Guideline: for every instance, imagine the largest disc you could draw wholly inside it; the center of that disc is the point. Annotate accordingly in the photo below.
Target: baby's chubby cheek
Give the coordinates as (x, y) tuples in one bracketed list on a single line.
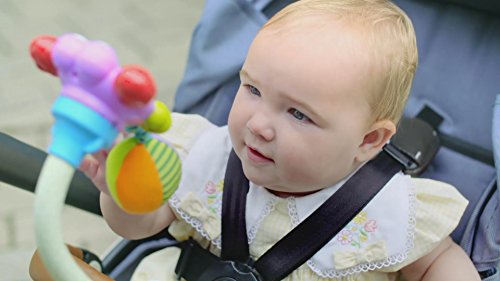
[(236, 135), (296, 171)]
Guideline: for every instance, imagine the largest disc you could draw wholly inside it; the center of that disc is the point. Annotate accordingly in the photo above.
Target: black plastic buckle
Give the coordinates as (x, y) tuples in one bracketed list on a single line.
[(414, 145), (198, 264), (407, 162)]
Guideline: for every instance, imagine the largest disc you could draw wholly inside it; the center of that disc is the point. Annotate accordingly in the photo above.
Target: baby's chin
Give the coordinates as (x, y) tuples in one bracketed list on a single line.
[(256, 180), (259, 181), (273, 185)]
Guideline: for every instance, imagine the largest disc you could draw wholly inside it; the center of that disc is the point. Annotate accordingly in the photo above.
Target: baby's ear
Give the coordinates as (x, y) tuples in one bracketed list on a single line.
[(375, 138)]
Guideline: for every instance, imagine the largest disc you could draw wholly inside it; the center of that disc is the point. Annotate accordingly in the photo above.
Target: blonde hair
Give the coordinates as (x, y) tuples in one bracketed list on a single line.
[(392, 40)]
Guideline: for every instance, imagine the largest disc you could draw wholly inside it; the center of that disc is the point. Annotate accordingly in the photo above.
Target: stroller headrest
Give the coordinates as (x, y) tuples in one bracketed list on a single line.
[(488, 6)]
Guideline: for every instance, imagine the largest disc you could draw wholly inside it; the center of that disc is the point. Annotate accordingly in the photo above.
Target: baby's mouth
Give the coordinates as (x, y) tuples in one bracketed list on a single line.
[(255, 156)]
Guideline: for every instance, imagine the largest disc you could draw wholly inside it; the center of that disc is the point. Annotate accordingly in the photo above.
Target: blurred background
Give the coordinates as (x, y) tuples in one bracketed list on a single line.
[(154, 34)]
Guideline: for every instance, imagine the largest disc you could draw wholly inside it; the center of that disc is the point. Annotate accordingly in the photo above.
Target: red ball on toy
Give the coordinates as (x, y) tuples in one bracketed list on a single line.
[(41, 51), (135, 86)]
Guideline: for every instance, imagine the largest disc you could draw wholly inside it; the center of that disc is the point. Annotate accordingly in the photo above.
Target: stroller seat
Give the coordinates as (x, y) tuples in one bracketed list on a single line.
[(455, 89)]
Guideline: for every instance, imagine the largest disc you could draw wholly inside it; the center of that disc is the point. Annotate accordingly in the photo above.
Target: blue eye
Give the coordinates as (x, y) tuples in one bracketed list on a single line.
[(298, 115), (254, 90)]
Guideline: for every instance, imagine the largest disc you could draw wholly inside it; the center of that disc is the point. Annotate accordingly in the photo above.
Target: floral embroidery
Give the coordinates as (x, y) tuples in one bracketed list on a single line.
[(358, 231), (360, 218), (345, 237), (214, 198), (371, 226)]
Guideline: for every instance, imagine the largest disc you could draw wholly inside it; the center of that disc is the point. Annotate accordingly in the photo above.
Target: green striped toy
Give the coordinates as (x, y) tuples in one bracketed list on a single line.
[(142, 174)]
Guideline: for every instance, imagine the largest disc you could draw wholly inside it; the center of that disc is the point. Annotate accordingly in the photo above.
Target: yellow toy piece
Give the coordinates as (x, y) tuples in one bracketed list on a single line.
[(159, 121), (142, 175)]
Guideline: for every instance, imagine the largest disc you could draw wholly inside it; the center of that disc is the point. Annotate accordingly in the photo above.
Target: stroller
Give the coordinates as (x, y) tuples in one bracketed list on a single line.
[(454, 92)]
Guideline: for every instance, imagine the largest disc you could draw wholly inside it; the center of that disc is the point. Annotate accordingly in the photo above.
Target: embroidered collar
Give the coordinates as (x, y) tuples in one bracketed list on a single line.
[(299, 207), (371, 240)]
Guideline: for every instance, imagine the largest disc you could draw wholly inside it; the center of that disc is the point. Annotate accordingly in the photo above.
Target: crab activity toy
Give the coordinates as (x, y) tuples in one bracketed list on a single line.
[(98, 100)]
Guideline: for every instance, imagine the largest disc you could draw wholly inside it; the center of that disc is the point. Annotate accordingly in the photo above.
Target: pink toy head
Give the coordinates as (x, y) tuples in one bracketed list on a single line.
[(90, 74)]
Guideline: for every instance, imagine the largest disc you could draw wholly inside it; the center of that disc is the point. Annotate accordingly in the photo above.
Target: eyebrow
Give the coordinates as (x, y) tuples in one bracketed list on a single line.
[(243, 72)]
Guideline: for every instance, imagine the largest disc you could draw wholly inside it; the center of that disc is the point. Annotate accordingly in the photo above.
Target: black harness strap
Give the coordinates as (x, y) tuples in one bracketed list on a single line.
[(314, 232), (234, 198)]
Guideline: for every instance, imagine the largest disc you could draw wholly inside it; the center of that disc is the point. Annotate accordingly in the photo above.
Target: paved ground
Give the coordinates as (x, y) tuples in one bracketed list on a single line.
[(154, 34)]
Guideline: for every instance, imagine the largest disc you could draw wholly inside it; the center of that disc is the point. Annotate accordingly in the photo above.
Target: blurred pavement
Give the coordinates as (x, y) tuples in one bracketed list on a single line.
[(154, 34)]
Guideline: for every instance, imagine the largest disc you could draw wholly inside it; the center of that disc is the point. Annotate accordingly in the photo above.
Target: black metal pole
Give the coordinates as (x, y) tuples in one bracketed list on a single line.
[(20, 165)]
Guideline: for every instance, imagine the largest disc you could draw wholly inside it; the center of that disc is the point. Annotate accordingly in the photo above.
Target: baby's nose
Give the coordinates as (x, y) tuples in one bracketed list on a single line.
[(261, 126)]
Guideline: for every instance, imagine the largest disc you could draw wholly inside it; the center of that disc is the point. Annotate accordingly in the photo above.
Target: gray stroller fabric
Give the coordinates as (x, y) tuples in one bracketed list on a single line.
[(459, 78), (218, 49), (459, 67)]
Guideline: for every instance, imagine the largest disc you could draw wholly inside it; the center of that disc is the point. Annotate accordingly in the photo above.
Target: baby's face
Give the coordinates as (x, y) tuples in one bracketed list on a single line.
[(302, 112)]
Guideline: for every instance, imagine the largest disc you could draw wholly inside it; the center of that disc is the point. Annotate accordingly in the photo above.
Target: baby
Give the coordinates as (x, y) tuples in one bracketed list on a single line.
[(322, 89)]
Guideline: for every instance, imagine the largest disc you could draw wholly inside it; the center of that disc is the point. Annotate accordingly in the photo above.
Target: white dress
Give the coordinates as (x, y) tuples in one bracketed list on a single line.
[(404, 222)]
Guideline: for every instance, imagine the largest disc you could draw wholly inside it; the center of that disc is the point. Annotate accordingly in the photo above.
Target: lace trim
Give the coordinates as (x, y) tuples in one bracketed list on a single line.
[(292, 211), (267, 210), (392, 260), (194, 222), (198, 225)]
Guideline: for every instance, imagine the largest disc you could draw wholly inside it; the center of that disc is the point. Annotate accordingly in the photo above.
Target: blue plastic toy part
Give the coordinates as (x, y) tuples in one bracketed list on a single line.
[(78, 130)]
